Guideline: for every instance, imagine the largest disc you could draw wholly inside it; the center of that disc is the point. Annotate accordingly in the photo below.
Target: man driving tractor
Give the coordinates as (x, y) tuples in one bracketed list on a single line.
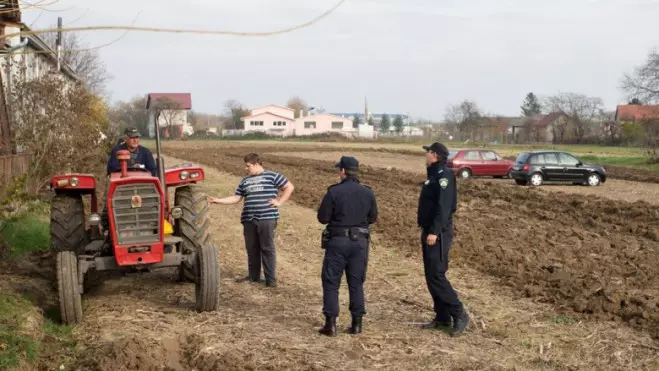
[(140, 157)]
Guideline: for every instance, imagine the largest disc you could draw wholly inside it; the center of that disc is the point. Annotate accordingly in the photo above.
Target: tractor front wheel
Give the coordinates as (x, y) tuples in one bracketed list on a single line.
[(207, 285), (67, 222), (192, 226), (70, 300)]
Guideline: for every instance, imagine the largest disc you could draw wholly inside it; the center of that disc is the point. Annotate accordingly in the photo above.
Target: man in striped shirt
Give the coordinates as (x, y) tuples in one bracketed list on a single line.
[(260, 189)]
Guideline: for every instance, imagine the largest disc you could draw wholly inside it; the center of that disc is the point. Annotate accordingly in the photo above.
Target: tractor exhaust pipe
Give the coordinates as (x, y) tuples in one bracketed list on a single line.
[(123, 156)]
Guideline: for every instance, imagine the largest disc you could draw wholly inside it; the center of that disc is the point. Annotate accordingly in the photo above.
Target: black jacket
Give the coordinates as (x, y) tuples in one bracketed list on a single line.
[(348, 204), (143, 156), (438, 199)]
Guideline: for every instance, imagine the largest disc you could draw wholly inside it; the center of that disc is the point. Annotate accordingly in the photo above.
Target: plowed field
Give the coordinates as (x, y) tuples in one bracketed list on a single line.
[(593, 257)]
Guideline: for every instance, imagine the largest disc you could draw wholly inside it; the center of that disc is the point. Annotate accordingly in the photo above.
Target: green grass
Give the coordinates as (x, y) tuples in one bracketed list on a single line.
[(15, 345), (26, 234), (627, 161)]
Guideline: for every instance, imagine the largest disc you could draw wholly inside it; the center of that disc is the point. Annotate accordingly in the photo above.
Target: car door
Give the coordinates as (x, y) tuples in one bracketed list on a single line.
[(473, 160), (571, 169), (552, 168), (489, 163)]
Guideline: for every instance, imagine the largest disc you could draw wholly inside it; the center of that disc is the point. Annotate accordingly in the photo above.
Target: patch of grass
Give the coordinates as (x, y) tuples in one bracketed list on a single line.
[(15, 345), (26, 234), (627, 161), (563, 320)]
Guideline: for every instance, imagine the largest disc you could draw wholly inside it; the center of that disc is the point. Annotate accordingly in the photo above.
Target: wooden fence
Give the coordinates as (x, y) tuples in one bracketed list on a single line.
[(13, 165)]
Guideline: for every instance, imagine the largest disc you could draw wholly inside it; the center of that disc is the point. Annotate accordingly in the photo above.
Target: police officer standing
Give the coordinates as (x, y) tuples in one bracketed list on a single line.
[(348, 208), (437, 203)]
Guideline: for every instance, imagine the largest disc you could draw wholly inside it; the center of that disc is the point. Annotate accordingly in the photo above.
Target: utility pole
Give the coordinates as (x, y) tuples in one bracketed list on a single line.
[(59, 43)]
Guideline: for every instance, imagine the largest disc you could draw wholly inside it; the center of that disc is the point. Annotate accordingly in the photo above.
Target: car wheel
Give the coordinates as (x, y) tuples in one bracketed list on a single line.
[(465, 173), (509, 174), (536, 179), (594, 180)]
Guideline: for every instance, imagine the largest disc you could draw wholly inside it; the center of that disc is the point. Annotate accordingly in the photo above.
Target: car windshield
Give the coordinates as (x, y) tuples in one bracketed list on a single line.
[(452, 154), (522, 158)]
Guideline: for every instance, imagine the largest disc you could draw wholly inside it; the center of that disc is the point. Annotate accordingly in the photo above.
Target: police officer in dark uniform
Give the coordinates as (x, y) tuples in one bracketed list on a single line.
[(437, 203), (348, 208)]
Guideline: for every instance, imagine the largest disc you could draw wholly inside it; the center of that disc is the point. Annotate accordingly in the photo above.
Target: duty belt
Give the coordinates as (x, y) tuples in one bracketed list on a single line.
[(345, 232)]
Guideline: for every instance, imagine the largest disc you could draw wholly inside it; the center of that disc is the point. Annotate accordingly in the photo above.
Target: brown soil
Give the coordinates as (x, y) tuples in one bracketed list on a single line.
[(633, 191), (593, 257)]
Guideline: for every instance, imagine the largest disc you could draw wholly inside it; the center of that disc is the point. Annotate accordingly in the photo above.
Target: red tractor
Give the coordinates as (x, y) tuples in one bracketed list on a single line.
[(146, 231)]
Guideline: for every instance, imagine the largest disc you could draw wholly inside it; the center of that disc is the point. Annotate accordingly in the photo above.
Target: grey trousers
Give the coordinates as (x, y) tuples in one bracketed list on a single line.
[(260, 245)]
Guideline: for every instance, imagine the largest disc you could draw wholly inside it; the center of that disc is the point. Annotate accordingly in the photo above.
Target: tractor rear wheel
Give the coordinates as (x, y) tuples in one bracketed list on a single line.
[(67, 222), (192, 226), (207, 285), (70, 300)]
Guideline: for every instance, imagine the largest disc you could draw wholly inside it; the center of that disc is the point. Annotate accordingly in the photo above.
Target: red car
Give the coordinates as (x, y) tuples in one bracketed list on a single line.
[(466, 163)]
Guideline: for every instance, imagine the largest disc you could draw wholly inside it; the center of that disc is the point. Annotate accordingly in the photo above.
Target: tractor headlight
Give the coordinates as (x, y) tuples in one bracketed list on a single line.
[(194, 174), (94, 219), (74, 182), (183, 175), (177, 212)]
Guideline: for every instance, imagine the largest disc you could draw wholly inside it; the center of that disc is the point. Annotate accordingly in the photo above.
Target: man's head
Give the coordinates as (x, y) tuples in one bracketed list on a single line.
[(435, 152), (132, 138), (348, 167), (253, 165)]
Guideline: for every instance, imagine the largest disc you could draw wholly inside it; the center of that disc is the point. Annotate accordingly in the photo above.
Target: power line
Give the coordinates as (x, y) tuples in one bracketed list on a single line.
[(182, 30)]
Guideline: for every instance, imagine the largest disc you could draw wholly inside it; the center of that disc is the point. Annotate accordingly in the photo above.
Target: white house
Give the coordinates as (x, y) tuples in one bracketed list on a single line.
[(278, 120), (171, 110)]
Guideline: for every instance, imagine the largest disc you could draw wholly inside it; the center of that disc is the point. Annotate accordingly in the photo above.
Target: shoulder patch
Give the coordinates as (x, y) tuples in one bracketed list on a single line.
[(443, 183)]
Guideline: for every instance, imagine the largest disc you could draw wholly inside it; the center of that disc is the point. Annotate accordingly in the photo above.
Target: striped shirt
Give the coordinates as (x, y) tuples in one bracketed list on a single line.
[(257, 191)]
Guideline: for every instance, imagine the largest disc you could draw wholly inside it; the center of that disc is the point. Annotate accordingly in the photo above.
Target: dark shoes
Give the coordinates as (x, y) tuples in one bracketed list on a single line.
[(330, 326), (356, 327), (271, 284), (435, 324), (461, 324)]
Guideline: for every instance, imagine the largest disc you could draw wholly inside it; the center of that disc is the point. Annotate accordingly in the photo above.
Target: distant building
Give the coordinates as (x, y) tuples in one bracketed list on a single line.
[(278, 120), (172, 110)]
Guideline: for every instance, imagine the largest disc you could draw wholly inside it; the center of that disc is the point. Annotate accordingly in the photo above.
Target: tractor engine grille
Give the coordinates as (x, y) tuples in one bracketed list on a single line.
[(136, 216)]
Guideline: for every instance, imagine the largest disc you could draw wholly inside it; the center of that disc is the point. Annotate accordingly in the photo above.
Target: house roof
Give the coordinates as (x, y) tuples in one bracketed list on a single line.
[(11, 11), (266, 113), (184, 100), (636, 112), (274, 105), (38, 43)]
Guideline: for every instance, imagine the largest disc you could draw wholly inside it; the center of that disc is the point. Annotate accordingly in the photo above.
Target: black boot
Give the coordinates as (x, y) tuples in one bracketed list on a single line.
[(356, 327), (461, 324), (436, 324), (330, 326)]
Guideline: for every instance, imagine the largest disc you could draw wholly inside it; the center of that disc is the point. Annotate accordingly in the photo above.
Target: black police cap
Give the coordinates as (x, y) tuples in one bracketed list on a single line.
[(347, 162), (438, 148)]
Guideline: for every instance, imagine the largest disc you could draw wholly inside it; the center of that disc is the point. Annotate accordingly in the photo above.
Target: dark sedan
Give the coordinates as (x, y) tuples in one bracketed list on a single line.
[(555, 166)]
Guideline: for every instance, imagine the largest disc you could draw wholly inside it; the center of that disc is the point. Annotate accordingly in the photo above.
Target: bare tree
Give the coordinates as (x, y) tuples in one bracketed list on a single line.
[(236, 111), (130, 113), (299, 105), (643, 84), (465, 117), (579, 111), (86, 62)]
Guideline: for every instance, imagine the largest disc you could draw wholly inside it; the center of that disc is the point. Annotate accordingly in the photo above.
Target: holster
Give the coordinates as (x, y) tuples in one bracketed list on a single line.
[(324, 239)]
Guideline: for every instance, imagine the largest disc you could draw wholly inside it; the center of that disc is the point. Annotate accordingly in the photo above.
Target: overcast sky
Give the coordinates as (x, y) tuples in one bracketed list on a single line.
[(406, 56)]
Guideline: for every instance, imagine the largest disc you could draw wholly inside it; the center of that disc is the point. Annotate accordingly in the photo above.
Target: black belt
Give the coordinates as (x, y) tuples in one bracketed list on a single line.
[(345, 232)]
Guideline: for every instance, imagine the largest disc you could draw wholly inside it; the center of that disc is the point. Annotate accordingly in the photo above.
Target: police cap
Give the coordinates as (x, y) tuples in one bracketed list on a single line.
[(438, 148), (132, 132), (347, 162)]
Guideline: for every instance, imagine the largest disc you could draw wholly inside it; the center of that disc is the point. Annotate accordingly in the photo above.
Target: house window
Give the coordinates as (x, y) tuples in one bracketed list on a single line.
[(279, 123), (310, 124), (256, 123), (337, 124)]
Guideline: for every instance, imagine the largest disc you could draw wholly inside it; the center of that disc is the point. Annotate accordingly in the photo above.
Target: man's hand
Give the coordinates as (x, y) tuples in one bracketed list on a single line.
[(431, 239), (274, 202)]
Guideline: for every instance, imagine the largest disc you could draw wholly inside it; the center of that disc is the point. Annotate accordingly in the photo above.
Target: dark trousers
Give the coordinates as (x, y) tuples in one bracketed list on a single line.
[(260, 245), (343, 254), (435, 264)]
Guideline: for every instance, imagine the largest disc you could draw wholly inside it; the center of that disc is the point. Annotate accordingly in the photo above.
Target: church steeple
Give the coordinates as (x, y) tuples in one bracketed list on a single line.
[(366, 113)]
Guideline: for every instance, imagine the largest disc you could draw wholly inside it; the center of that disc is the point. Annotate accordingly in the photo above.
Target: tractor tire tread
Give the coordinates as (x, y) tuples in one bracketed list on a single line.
[(67, 223), (207, 288), (70, 299)]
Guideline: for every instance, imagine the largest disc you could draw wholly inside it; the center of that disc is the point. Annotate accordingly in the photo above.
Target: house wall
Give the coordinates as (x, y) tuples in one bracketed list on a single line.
[(170, 118), (269, 123), (317, 124)]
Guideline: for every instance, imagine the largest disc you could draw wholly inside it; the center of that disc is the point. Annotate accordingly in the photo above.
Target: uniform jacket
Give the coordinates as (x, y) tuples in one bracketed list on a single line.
[(143, 156), (348, 204), (438, 199)]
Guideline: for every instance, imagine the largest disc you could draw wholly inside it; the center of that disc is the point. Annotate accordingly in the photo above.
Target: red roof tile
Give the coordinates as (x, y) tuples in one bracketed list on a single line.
[(183, 99), (636, 112)]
